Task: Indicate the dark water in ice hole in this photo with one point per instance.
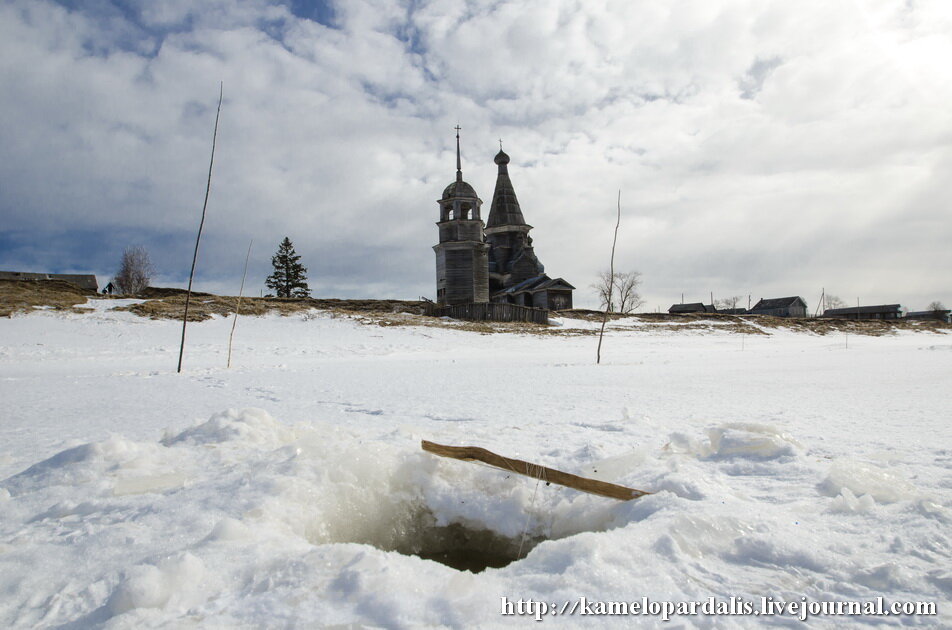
(466, 549)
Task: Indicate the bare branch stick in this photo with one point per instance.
(198, 239)
(611, 284)
(234, 322)
(551, 475)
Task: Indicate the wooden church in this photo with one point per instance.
(495, 261)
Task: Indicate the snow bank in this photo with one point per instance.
(242, 480)
(244, 483)
(302, 504)
(87, 463)
(173, 583)
(236, 500)
(736, 441)
(860, 479)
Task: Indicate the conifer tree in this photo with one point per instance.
(290, 276)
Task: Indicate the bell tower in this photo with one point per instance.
(462, 255)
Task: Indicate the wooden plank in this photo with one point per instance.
(550, 475)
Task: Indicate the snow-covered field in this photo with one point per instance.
(267, 495)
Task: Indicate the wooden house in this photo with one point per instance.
(938, 315)
(878, 311)
(539, 292)
(692, 307)
(780, 307)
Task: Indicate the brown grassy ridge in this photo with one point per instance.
(690, 322)
(755, 324)
(23, 296)
(163, 303)
(168, 303)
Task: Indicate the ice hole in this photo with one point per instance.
(464, 547)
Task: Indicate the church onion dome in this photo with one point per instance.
(458, 189)
(501, 158)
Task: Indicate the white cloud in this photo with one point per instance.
(761, 147)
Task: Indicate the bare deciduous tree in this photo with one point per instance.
(135, 271)
(936, 306)
(611, 285)
(622, 296)
(730, 302)
(831, 301)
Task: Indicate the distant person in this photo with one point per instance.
(109, 289)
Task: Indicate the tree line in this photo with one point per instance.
(288, 278)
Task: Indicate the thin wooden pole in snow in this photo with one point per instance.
(234, 322)
(549, 475)
(198, 239)
(611, 285)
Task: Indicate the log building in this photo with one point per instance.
(495, 261)
(462, 255)
(780, 307)
(878, 311)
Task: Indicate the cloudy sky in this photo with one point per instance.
(762, 148)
